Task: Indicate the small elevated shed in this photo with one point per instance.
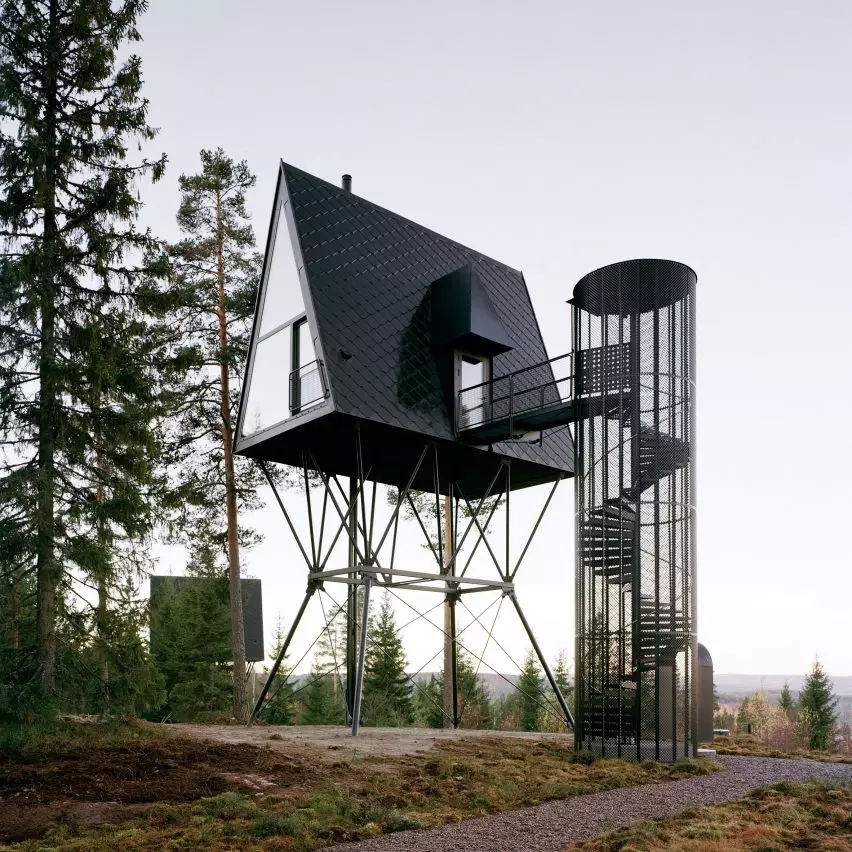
(368, 319)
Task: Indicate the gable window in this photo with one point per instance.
(282, 294)
(285, 377)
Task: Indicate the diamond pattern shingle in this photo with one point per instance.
(369, 272)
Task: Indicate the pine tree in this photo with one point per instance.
(211, 290)
(530, 690)
(474, 702)
(744, 715)
(191, 645)
(71, 424)
(280, 708)
(321, 702)
(322, 697)
(387, 689)
(428, 703)
(785, 700)
(562, 676)
(818, 703)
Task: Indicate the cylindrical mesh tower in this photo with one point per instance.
(634, 375)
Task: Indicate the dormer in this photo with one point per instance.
(466, 335)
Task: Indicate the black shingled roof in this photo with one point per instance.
(369, 272)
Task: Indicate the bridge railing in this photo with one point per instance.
(505, 397)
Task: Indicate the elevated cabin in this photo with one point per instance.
(368, 320)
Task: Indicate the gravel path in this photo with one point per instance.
(556, 825)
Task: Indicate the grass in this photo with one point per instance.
(303, 800)
(35, 741)
(779, 817)
(751, 746)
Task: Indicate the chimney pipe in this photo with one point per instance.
(347, 183)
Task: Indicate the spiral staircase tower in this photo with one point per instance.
(634, 381)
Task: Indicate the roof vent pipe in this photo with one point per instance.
(347, 183)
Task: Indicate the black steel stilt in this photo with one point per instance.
(455, 660)
(359, 678)
(569, 719)
(282, 653)
(352, 597)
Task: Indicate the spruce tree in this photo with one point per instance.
(74, 428)
(212, 287)
(562, 676)
(387, 689)
(322, 695)
(191, 642)
(530, 690)
(818, 703)
(322, 703)
(474, 700)
(280, 708)
(744, 715)
(428, 703)
(785, 700)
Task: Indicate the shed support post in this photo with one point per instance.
(569, 719)
(352, 597)
(282, 653)
(359, 682)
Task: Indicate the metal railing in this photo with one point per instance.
(308, 386)
(523, 391)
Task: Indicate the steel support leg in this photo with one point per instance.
(569, 719)
(352, 598)
(282, 653)
(359, 682)
(454, 661)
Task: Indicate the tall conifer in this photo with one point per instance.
(213, 284)
(530, 691)
(818, 704)
(387, 689)
(74, 428)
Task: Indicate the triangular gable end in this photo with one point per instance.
(284, 375)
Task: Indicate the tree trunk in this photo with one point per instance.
(101, 613)
(46, 565)
(102, 645)
(449, 721)
(238, 642)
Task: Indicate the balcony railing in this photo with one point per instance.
(308, 386)
(505, 397)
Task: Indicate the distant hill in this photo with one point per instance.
(500, 685)
(744, 683)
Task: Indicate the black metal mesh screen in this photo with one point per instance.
(636, 648)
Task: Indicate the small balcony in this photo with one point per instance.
(308, 387)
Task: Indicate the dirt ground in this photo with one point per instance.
(182, 763)
(297, 739)
(115, 782)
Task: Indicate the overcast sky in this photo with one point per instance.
(559, 137)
